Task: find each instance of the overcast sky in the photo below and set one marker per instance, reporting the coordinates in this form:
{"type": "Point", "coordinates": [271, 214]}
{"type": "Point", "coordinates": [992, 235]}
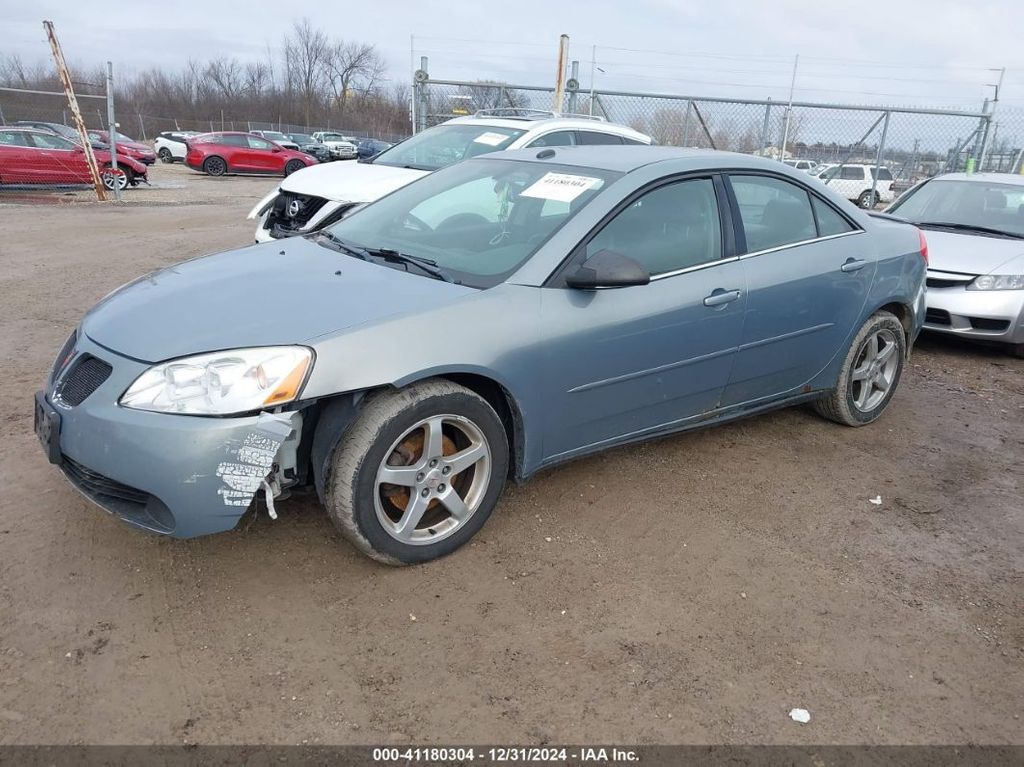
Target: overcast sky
{"type": "Point", "coordinates": [913, 52]}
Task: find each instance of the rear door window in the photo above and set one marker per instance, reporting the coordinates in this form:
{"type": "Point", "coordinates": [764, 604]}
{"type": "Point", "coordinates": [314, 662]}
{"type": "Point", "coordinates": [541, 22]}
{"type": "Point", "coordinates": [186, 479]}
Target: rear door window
{"type": "Point", "coordinates": [558, 138]}
{"type": "Point", "coordinates": [883, 174]}
{"type": "Point", "coordinates": [773, 212]}
{"type": "Point", "coordinates": [829, 221]}
{"type": "Point", "coordinates": [588, 137]}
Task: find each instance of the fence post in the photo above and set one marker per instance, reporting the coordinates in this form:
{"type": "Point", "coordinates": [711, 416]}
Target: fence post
{"type": "Point", "coordinates": [764, 127]}
{"type": "Point", "coordinates": [573, 86]}
{"type": "Point", "coordinates": [878, 160]}
{"type": "Point", "coordinates": [142, 126]}
{"type": "Point", "coordinates": [686, 123]}
{"type": "Point", "coordinates": [422, 106]}
{"type": "Point", "coordinates": [112, 130]}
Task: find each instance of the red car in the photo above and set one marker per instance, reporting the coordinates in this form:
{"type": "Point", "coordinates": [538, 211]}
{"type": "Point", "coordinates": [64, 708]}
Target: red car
{"type": "Point", "coordinates": [30, 156]}
{"type": "Point", "coordinates": [220, 153]}
{"type": "Point", "coordinates": [126, 145]}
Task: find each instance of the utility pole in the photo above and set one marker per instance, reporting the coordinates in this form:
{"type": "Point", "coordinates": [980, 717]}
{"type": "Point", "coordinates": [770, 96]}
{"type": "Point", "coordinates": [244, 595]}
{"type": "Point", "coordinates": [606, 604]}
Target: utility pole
{"type": "Point", "coordinates": [76, 114]}
{"type": "Point", "coordinates": [991, 115]}
{"type": "Point", "coordinates": [563, 52]}
{"type": "Point", "coordinates": [789, 109]}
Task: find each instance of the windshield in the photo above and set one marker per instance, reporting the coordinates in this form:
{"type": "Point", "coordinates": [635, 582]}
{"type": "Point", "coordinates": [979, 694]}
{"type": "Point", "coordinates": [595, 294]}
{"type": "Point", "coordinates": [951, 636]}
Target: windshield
{"type": "Point", "coordinates": [988, 204]}
{"type": "Point", "coordinates": [447, 144]}
{"type": "Point", "coordinates": [302, 138]}
{"type": "Point", "coordinates": [332, 137]}
{"type": "Point", "coordinates": [477, 221]}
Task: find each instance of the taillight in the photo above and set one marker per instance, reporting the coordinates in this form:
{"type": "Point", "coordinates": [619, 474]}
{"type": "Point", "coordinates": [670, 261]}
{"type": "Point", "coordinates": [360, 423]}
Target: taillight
{"type": "Point", "coordinates": [924, 246]}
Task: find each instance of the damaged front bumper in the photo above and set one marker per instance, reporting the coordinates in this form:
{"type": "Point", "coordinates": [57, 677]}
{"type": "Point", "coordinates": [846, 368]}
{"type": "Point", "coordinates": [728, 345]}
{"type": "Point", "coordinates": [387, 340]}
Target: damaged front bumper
{"type": "Point", "coordinates": [182, 476]}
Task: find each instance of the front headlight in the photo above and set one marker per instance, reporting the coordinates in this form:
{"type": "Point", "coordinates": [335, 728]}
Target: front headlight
{"type": "Point", "coordinates": [998, 282]}
{"type": "Point", "coordinates": [222, 383]}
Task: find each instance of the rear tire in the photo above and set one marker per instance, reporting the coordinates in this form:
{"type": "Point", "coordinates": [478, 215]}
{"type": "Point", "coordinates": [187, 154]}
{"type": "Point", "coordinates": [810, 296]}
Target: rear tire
{"type": "Point", "coordinates": [870, 373]}
{"type": "Point", "coordinates": [864, 201]}
{"type": "Point", "coordinates": [446, 453]}
{"type": "Point", "coordinates": [1017, 350]}
{"type": "Point", "coordinates": [165, 155]}
{"type": "Point", "coordinates": [215, 166]}
{"type": "Point", "coordinates": [292, 166]}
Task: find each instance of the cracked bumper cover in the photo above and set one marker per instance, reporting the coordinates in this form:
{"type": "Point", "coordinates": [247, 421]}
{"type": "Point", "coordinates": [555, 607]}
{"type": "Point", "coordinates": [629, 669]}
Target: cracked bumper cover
{"type": "Point", "coordinates": [190, 475]}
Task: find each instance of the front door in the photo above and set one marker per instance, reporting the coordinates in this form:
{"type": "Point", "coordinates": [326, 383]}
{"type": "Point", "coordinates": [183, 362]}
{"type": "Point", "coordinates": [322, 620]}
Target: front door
{"type": "Point", "coordinates": [627, 361]}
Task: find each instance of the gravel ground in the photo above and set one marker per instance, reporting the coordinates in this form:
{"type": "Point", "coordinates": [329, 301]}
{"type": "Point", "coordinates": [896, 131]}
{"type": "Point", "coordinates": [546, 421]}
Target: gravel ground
{"type": "Point", "coordinates": [689, 590]}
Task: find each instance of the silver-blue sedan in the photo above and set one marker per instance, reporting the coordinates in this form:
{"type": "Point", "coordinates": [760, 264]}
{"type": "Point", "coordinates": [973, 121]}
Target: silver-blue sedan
{"type": "Point", "coordinates": [495, 318]}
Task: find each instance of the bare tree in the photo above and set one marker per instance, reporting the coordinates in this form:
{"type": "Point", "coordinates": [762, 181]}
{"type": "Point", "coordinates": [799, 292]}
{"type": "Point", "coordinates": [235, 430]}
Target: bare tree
{"type": "Point", "coordinates": [307, 53]}
{"type": "Point", "coordinates": [352, 67]}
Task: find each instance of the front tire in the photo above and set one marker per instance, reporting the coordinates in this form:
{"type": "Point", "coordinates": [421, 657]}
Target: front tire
{"type": "Point", "coordinates": [292, 166]}
{"type": "Point", "coordinates": [418, 473]}
{"type": "Point", "coordinates": [215, 166]}
{"type": "Point", "coordinates": [112, 180]}
{"type": "Point", "coordinates": [870, 373]}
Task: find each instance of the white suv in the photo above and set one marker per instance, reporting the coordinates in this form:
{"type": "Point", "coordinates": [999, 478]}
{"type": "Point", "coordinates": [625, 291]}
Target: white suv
{"type": "Point", "coordinates": [170, 145]}
{"type": "Point", "coordinates": [854, 183]}
{"type": "Point", "coordinates": [319, 195]}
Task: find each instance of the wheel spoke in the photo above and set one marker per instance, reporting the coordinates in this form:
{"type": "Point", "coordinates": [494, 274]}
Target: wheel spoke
{"type": "Point", "coordinates": [872, 349]}
{"type": "Point", "coordinates": [454, 503]}
{"type": "Point", "coordinates": [865, 393]}
{"type": "Point", "coordinates": [411, 516]}
{"type": "Point", "coordinates": [887, 352]}
{"type": "Point", "coordinates": [860, 373]}
{"type": "Point", "coordinates": [462, 460]}
{"type": "Point", "coordinates": [398, 475]}
{"type": "Point", "coordinates": [432, 446]}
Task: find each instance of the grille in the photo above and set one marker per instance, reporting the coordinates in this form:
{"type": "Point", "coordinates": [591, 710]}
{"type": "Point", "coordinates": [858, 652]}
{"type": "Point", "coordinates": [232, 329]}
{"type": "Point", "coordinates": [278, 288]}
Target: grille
{"type": "Point", "coordinates": [935, 282]}
{"type": "Point", "coordinates": [984, 323]}
{"type": "Point", "coordinates": [308, 206]}
{"type": "Point", "coordinates": [937, 317]}
{"type": "Point", "coordinates": [96, 485]}
{"type": "Point", "coordinates": [84, 377]}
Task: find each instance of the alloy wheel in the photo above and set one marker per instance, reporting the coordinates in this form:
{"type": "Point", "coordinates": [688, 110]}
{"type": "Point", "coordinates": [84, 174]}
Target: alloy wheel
{"type": "Point", "coordinates": [875, 370]}
{"type": "Point", "coordinates": [432, 479]}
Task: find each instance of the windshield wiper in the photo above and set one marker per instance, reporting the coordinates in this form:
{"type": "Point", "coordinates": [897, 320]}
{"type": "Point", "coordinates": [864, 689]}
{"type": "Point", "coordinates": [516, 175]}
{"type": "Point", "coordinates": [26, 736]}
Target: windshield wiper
{"type": "Point", "coordinates": [426, 265]}
{"type": "Point", "coordinates": [343, 245]}
{"type": "Point", "coordinates": [971, 228]}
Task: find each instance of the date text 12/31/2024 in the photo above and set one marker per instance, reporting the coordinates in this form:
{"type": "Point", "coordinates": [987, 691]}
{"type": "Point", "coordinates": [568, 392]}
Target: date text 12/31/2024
{"type": "Point", "coordinates": [502, 754]}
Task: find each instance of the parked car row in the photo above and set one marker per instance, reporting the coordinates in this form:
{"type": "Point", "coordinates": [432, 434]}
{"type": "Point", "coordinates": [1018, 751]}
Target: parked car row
{"type": "Point", "coordinates": [34, 155]}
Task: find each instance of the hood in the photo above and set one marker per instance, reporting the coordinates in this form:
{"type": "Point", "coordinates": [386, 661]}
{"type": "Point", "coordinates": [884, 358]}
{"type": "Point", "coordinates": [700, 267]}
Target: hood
{"type": "Point", "coordinates": [285, 292]}
{"type": "Point", "coordinates": [350, 181]}
{"type": "Point", "coordinates": [973, 253]}
{"type": "Point", "coordinates": [103, 156]}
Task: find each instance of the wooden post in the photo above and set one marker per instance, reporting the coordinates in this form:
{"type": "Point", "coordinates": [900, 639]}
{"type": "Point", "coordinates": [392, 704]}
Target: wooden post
{"type": "Point", "coordinates": [76, 113]}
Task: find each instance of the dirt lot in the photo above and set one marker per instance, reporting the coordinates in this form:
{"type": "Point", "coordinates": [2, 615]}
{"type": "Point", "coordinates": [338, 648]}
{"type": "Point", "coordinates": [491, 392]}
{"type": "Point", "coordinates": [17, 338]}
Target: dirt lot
{"type": "Point", "coordinates": [689, 590]}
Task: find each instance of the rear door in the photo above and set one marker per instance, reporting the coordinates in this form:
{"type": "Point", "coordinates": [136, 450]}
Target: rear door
{"type": "Point", "coordinates": [17, 158]}
{"type": "Point", "coordinates": [808, 269]}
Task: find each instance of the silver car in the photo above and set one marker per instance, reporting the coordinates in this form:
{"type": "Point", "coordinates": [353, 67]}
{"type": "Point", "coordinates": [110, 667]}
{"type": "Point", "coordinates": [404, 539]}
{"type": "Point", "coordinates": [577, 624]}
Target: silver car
{"type": "Point", "coordinates": [497, 317]}
{"type": "Point", "coordinates": [975, 226]}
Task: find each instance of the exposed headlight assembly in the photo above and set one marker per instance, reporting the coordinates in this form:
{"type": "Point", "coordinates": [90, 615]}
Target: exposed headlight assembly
{"type": "Point", "coordinates": [222, 383]}
{"type": "Point", "coordinates": [997, 282]}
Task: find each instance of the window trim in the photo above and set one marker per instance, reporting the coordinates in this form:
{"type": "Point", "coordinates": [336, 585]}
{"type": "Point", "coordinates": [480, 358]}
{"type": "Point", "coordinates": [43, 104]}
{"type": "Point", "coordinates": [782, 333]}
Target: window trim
{"type": "Point", "coordinates": [741, 234]}
{"type": "Point", "coordinates": [727, 230]}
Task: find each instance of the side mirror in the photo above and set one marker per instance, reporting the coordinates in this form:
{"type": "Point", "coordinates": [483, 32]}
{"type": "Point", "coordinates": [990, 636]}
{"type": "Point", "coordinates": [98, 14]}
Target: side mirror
{"type": "Point", "coordinates": [276, 149]}
{"type": "Point", "coordinates": [608, 269]}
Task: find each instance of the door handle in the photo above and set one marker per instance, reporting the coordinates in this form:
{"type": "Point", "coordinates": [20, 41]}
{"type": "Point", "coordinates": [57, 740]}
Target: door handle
{"type": "Point", "coordinates": [721, 297]}
{"type": "Point", "coordinates": [852, 265]}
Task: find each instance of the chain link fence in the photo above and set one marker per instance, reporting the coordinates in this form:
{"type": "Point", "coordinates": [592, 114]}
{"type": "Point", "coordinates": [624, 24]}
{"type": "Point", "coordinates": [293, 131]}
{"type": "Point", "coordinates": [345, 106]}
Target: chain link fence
{"type": "Point", "coordinates": [901, 144]}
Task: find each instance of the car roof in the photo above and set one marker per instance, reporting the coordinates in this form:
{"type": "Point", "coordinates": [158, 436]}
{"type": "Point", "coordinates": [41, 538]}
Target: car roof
{"type": "Point", "coordinates": [1000, 178]}
{"type": "Point", "coordinates": [535, 123]}
{"type": "Point", "coordinates": [623, 159]}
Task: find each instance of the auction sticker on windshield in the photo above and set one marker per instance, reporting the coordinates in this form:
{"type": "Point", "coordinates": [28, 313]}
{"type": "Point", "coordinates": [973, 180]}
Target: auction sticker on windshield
{"type": "Point", "coordinates": [563, 187]}
{"type": "Point", "coordinates": [491, 139]}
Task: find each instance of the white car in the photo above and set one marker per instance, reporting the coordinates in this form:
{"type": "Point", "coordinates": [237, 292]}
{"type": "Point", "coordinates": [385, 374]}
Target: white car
{"type": "Point", "coordinates": [342, 148]}
{"type": "Point", "coordinates": [170, 145]}
{"type": "Point", "coordinates": [854, 183]}
{"type": "Point", "coordinates": [319, 195]}
{"type": "Point", "coordinates": [807, 166]}
{"type": "Point", "coordinates": [277, 137]}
